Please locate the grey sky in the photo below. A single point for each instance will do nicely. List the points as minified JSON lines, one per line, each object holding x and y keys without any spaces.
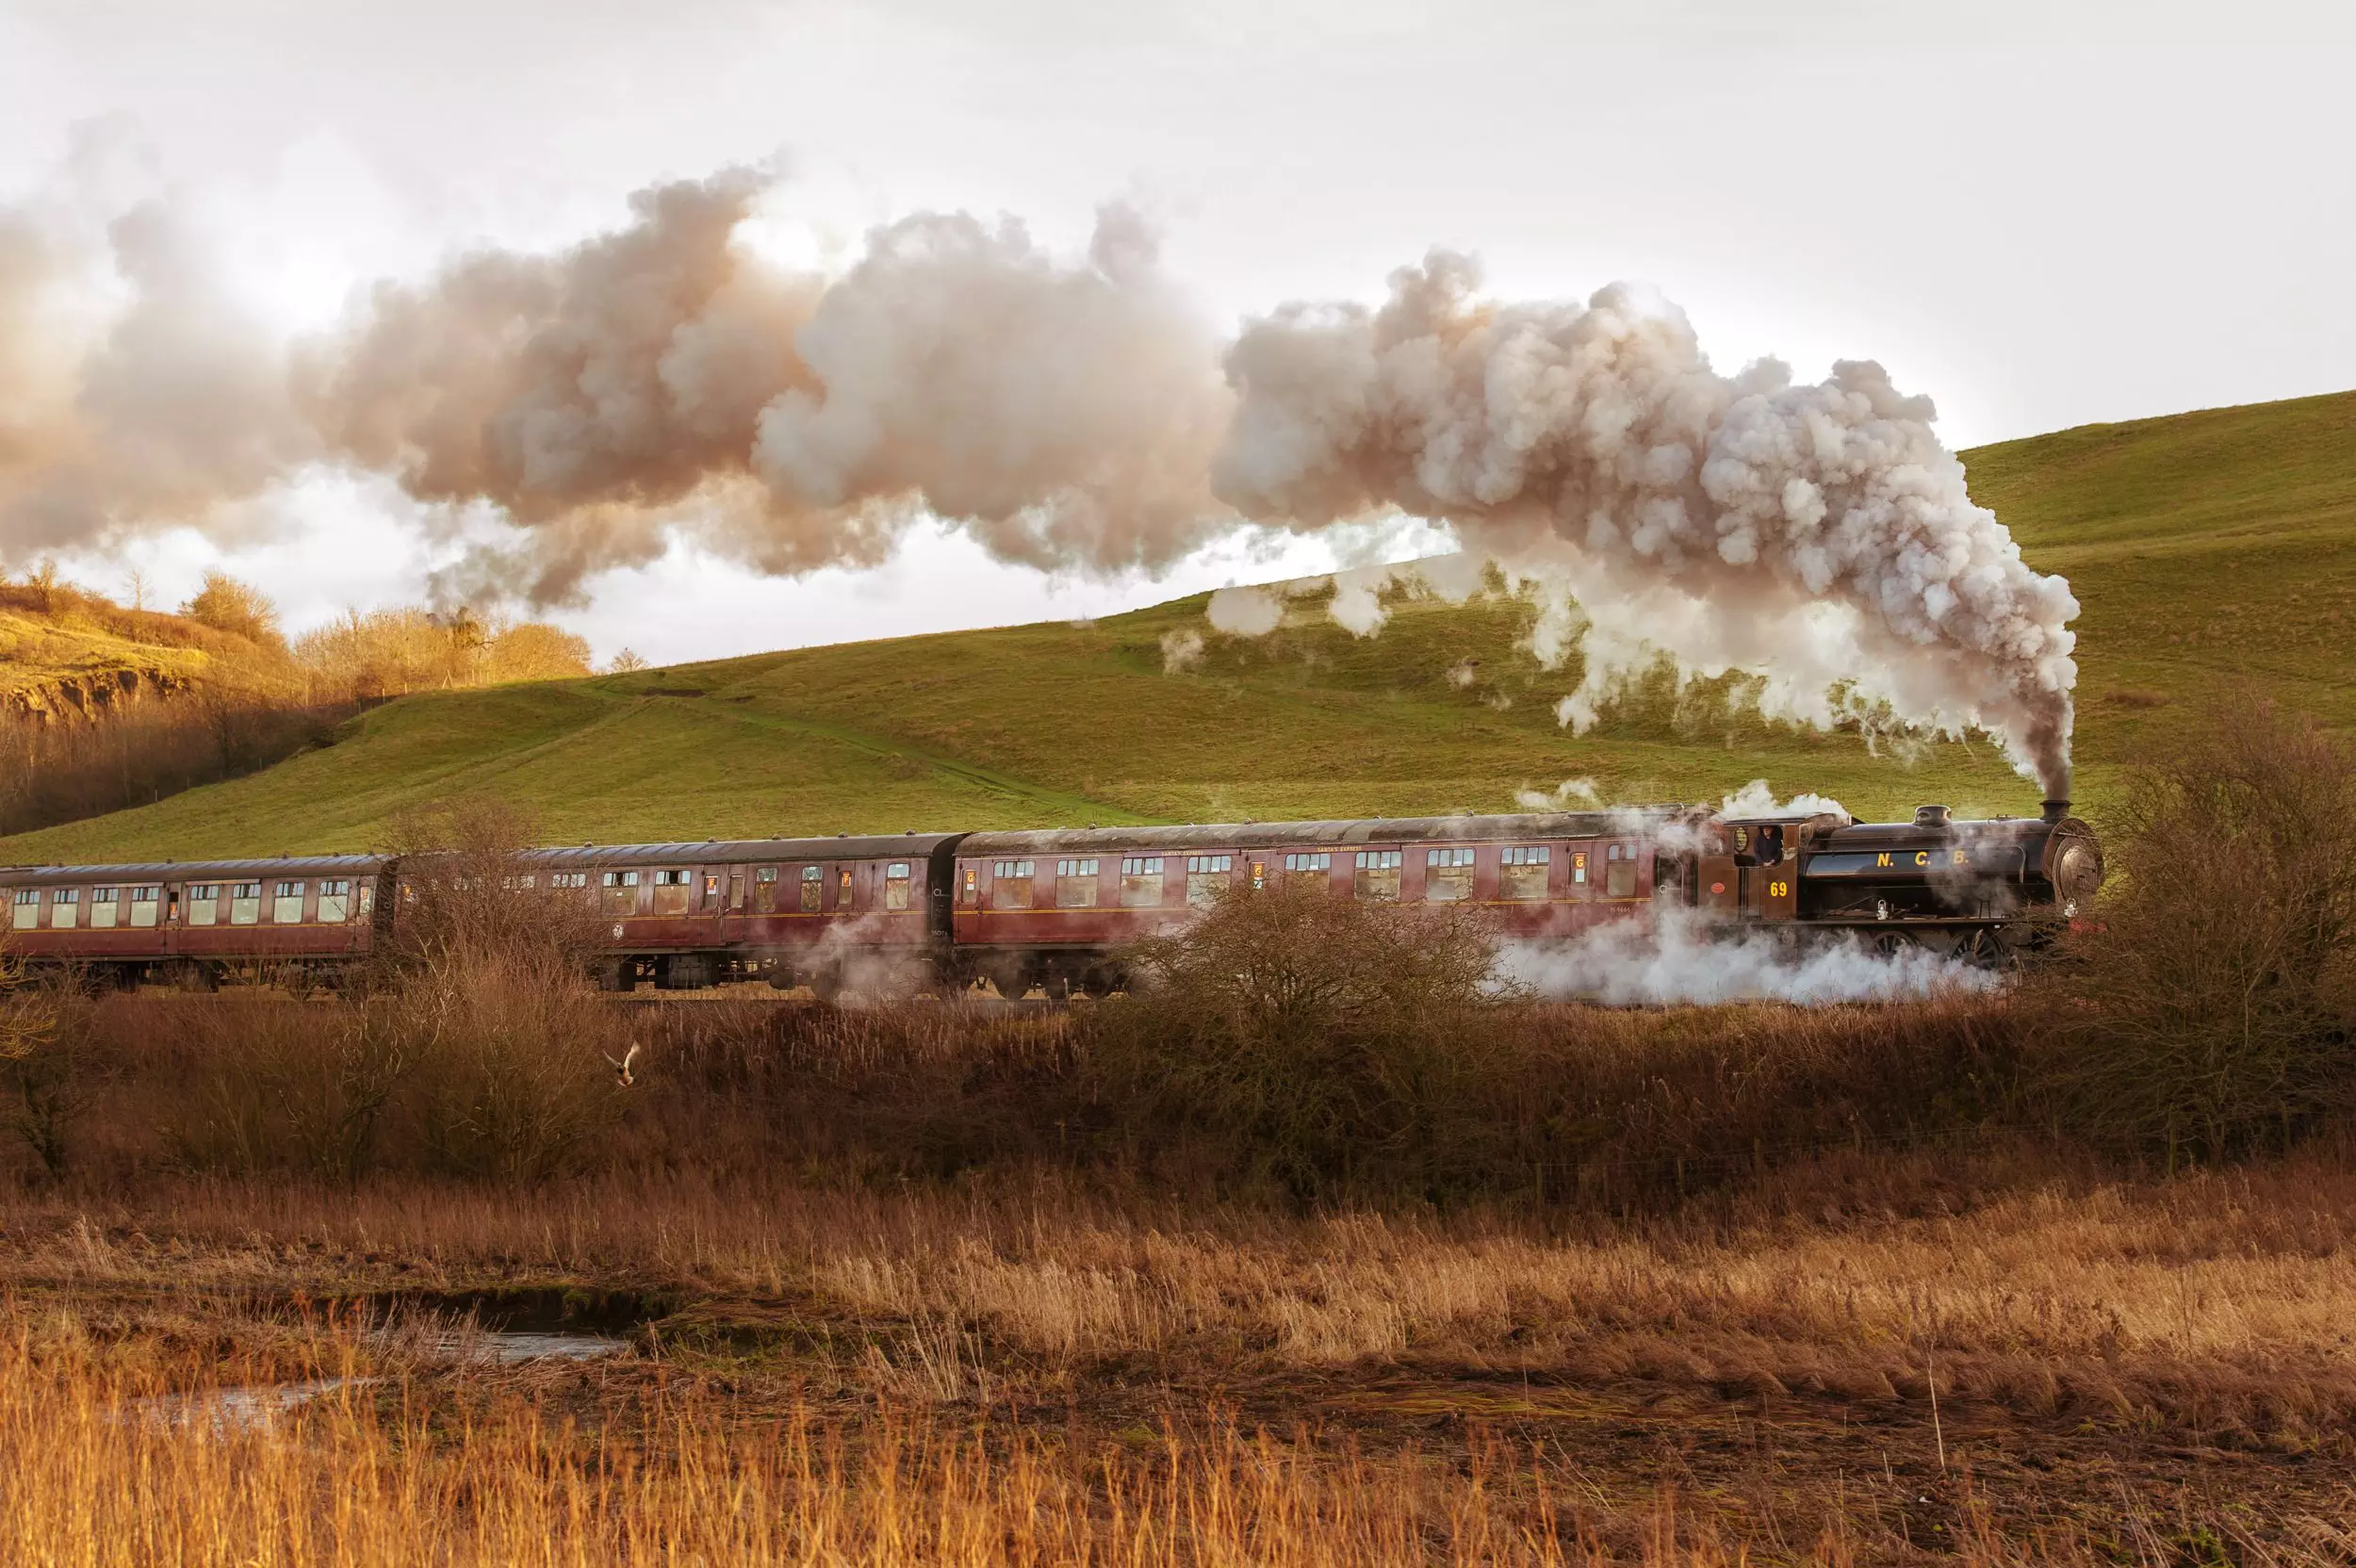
{"x":2040,"y":216}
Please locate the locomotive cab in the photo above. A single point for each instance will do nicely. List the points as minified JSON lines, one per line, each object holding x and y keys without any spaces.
{"x":1749,"y":866}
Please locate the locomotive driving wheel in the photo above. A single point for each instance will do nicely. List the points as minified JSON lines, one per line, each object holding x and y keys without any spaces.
{"x":1986,"y":948}
{"x":1889,"y":944}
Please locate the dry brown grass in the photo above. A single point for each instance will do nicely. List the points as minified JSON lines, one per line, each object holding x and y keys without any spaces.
{"x":109,"y":1466}
{"x":1004,"y":1361}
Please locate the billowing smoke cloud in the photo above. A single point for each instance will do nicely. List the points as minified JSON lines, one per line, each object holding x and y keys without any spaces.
{"x":1817,"y":534}
{"x":132,"y":385}
{"x":1065,"y":414}
{"x":665,"y":382}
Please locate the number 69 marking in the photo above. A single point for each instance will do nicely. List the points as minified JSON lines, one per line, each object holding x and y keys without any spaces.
{"x":1778,"y":890}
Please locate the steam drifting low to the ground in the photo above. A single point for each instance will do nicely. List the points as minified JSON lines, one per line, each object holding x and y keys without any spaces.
{"x":1681,"y":958}
{"x":665,"y":380}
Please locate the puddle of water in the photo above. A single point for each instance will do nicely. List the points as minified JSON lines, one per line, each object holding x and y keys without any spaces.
{"x":254,"y":1407}
{"x":512,"y":1346}
{"x":237,"y":1409}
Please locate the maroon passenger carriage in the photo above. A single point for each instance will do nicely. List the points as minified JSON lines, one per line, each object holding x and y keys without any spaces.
{"x":1053,"y":907}
{"x":821,"y":912}
{"x":193,"y":922}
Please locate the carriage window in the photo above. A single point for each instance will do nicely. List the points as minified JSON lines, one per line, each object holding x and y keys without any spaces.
{"x":25,"y":911}
{"x":1208,"y":876}
{"x":334,"y":902}
{"x":569,"y":879}
{"x":813,"y":888}
{"x":245,"y":903}
{"x":204,"y":903}
{"x":1579,"y":867}
{"x":843,"y":897}
{"x":1522,"y":870}
{"x":1377,"y":875}
{"x":765,"y":890}
{"x":1448,"y":875}
{"x":1075,"y":884}
{"x":897,"y":883}
{"x":1010,"y":885}
{"x":672,"y":890}
{"x":65,"y":907}
{"x":1619,"y":872}
{"x":621,"y":891}
{"x":285,"y":907}
{"x":1140,"y":881}
{"x":971,"y":884}
{"x":144,"y":905}
{"x":1309,"y":869}
{"x":103,"y":902}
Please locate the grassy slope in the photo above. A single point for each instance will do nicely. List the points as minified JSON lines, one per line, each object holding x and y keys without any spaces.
{"x":2208,"y":549}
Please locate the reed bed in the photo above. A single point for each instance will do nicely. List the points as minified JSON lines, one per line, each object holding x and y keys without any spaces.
{"x":106,"y":1464}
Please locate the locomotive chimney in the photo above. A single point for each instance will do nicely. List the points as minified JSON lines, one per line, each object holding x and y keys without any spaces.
{"x":2056,"y":810}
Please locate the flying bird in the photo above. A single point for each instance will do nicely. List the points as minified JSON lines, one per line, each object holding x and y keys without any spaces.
{"x":621,"y":1068}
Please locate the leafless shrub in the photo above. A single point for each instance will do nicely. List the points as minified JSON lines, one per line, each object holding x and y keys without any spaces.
{"x":468,"y":893}
{"x":1316,"y":1032}
{"x":514,"y":1048}
{"x":26,"y":1018}
{"x":2211,"y":1008}
{"x":279,"y":1085}
{"x":226,"y":604}
{"x":50,"y":1065}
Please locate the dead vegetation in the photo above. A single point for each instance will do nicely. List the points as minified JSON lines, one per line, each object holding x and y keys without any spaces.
{"x":2210,"y":1008}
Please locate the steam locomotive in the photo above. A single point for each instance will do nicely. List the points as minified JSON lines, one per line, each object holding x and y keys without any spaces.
{"x":1053,"y":908}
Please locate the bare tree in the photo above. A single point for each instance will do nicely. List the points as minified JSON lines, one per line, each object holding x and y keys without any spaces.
{"x":2209,"y":1008}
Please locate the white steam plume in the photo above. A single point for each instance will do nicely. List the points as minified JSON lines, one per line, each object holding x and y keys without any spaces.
{"x":1818,"y":534}
{"x":1245,"y":611}
{"x":1182,"y":650}
{"x":1756,"y":799}
{"x":1680,"y":958}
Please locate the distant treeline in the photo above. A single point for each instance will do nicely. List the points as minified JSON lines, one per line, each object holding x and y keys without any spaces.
{"x":121,"y":740}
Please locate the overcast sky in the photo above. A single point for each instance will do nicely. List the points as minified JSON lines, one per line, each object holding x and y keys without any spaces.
{"x":2040,"y":215}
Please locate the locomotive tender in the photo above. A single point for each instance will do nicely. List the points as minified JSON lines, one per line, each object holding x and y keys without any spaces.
{"x":1053,"y":907}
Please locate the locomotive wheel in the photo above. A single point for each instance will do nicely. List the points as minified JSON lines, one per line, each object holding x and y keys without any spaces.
{"x":1985,"y":949}
{"x":827,"y":985}
{"x":1889,"y":944}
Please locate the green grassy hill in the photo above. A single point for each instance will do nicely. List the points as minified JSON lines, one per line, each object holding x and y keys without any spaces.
{"x":2208,"y":549}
